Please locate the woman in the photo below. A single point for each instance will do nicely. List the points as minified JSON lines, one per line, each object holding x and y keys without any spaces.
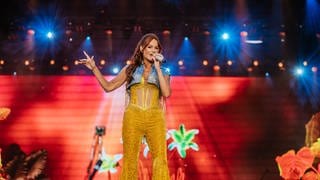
{"x":146,"y":83}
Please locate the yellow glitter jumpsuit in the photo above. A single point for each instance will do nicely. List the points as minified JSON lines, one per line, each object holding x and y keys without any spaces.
{"x":144,"y":116}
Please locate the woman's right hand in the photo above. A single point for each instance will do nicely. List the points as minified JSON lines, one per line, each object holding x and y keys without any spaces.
{"x":89,"y":61}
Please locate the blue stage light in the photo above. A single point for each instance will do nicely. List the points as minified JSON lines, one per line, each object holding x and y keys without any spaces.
{"x":50,"y":35}
{"x":299,"y":71}
{"x":115,"y":70}
{"x":225,"y":36}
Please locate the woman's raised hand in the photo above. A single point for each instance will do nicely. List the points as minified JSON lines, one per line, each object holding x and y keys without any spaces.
{"x":88,"y":61}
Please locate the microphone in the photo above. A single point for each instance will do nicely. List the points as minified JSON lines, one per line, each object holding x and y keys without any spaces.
{"x":159,"y":57}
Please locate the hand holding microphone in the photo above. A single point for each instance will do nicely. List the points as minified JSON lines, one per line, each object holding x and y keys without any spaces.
{"x":159,"y":57}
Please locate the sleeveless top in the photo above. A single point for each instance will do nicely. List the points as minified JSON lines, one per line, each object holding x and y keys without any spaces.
{"x":144,"y":95}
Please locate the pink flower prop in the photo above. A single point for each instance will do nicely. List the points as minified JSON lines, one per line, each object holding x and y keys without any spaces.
{"x":293,"y":166}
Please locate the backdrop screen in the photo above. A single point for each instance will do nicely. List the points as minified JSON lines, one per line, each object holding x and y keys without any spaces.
{"x":240,"y":124}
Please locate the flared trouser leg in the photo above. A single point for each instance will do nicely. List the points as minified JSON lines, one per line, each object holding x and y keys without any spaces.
{"x":136,"y":124}
{"x":156,"y":139}
{"x":131,"y":135}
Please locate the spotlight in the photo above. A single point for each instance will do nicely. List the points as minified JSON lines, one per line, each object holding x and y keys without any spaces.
{"x":108,"y":32}
{"x":282,"y":34}
{"x":26,"y":62}
{"x":314,"y":69}
{"x":128,"y":62}
{"x":50,"y":35}
{"x":243,"y":33}
{"x":256,"y":63}
{"x":180,"y":62}
{"x":205,"y":62}
{"x":225,"y":36}
{"x":102,"y":62}
{"x":166,"y":32}
{"x":65,"y":68}
{"x":281,"y":66}
{"x":115,"y":70}
{"x":216,"y":68}
{"x":299,"y":71}
{"x":68,"y":32}
{"x":206,"y":32}
{"x":305,"y":63}
{"x":267,"y":74}
{"x":52,"y":62}
{"x":31,"y":32}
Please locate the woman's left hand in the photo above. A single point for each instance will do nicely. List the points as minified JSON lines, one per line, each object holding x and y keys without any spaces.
{"x":89,"y":61}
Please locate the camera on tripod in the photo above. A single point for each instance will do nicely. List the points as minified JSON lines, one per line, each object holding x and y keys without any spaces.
{"x":100,"y":130}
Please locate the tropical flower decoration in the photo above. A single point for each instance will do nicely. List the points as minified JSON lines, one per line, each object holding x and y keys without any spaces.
{"x":182,"y":140}
{"x":109,"y":163}
{"x":294,"y":166}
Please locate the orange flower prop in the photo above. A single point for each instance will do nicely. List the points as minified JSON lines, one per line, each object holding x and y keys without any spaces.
{"x":293,"y":166}
{"x":310,"y":175}
{"x":4,"y":113}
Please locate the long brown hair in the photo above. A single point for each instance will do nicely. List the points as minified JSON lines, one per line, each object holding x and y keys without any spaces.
{"x":137,"y":56}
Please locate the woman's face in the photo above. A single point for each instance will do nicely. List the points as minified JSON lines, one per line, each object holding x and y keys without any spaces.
{"x":150,"y":50}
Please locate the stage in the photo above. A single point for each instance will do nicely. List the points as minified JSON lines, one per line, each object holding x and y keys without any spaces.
{"x":243,"y":123}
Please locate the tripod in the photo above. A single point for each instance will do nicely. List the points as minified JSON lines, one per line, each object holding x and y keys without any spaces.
{"x":96,"y":152}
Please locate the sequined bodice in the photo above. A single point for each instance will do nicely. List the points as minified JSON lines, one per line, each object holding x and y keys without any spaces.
{"x":144,"y":95}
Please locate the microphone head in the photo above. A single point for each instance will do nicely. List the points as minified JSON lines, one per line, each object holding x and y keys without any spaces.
{"x":159,"y":57}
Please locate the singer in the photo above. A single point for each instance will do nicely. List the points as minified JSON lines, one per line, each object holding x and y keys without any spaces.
{"x":147,"y":87}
